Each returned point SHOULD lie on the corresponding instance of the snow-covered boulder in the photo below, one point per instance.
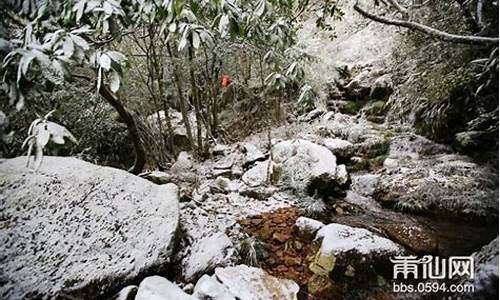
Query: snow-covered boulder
(258, 174)
(307, 228)
(252, 154)
(412, 146)
(208, 287)
(342, 149)
(249, 283)
(77, 229)
(342, 176)
(159, 288)
(183, 163)
(448, 184)
(306, 166)
(206, 254)
(365, 184)
(346, 249)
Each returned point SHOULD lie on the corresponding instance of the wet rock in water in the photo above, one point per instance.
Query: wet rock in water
(365, 185)
(158, 177)
(159, 288)
(249, 283)
(344, 247)
(382, 87)
(306, 167)
(416, 238)
(342, 149)
(127, 293)
(207, 254)
(307, 227)
(77, 229)
(447, 184)
(183, 163)
(259, 174)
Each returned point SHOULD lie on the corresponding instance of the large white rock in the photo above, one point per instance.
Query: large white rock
(339, 147)
(78, 229)
(306, 166)
(159, 288)
(206, 254)
(338, 238)
(249, 283)
(307, 227)
(208, 287)
(345, 249)
(258, 174)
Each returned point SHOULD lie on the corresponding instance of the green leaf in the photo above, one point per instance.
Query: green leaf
(80, 42)
(260, 9)
(42, 136)
(105, 62)
(196, 40)
(68, 47)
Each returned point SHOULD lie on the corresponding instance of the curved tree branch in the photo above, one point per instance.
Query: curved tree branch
(454, 38)
(128, 119)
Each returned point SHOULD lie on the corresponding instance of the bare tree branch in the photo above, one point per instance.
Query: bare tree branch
(399, 8)
(454, 38)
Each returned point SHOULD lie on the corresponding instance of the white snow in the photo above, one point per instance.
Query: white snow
(338, 238)
(208, 287)
(159, 288)
(307, 225)
(206, 254)
(249, 283)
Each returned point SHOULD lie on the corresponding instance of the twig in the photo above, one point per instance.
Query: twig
(454, 38)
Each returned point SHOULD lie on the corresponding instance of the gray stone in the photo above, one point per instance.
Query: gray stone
(183, 163)
(158, 177)
(80, 230)
(252, 154)
(366, 184)
(339, 147)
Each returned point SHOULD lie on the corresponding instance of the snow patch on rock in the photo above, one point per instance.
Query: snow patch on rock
(338, 238)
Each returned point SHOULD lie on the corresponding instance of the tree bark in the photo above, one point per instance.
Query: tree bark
(182, 100)
(140, 155)
(454, 38)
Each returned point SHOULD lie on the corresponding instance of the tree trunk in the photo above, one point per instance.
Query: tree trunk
(140, 155)
(182, 100)
(196, 101)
